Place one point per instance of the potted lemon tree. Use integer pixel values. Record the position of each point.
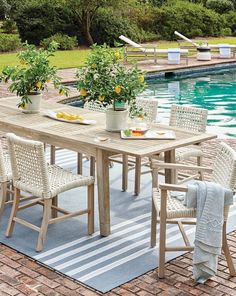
(103, 79)
(31, 77)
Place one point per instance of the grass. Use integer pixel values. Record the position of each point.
(76, 58)
(62, 59)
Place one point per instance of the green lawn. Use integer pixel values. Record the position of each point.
(76, 58)
(62, 59)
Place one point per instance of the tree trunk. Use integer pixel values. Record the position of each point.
(86, 29)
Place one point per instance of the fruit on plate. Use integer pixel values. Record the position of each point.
(69, 116)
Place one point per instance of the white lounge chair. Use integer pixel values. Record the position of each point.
(147, 52)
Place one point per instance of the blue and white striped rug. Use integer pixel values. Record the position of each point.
(99, 262)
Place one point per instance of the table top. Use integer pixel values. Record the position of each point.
(82, 138)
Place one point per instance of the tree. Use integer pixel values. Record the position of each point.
(4, 9)
(86, 10)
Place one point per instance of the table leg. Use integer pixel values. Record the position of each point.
(170, 175)
(103, 191)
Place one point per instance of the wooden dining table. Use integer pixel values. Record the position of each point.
(85, 139)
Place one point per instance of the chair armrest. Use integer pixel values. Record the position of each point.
(173, 187)
(175, 166)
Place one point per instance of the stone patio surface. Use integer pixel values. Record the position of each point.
(20, 275)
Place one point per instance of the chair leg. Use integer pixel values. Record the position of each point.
(92, 166)
(162, 242)
(153, 226)
(124, 172)
(54, 203)
(52, 154)
(3, 197)
(226, 251)
(137, 175)
(79, 163)
(91, 209)
(14, 209)
(199, 163)
(44, 226)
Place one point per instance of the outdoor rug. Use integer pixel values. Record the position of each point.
(102, 263)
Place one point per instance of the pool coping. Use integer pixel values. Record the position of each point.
(194, 69)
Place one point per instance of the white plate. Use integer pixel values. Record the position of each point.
(52, 114)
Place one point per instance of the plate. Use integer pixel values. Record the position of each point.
(52, 114)
(150, 135)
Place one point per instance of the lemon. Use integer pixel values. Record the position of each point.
(59, 115)
(83, 92)
(79, 117)
(118, 89)
(73, 117)
(39, 84)
(141, 78)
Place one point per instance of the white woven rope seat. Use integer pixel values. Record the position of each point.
(33, 175)
(166, 208)
(60, 180)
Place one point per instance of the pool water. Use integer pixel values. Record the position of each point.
(215, 92)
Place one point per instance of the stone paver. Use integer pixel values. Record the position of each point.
(20, 275)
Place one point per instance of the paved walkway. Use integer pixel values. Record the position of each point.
(20, 275)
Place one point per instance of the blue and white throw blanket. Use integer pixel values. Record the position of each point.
(209, 200)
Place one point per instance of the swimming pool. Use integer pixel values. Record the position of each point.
(215, 92)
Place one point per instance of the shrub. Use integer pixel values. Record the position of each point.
(65, 42)
(196, 32)
(39, 20)
(107, 27)
(9, 26)
(9, 42)
(230, 20)
(220, 6)
(186, 18)
(226, 32)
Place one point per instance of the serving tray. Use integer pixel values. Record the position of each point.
(52, 114)
(153, 134)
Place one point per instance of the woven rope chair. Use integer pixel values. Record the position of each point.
(149, 107)
(5, 174)
(189, 118)
(32, 174)
(167, 209)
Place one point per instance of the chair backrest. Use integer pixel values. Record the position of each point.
(149, 106)
(94, 106)
(224, 169)
(28, 164)
(132, 43)
(189, 118)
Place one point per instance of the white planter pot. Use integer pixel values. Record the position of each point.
(203, 54)
(225, 51)
(174, 56)
(34, 106)
(116, 120)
